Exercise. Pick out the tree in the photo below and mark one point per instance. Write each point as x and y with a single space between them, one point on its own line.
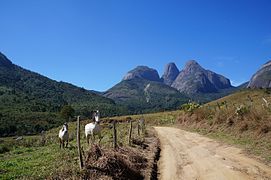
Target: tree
67 112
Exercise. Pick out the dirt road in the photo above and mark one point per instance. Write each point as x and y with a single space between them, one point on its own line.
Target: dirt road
188 156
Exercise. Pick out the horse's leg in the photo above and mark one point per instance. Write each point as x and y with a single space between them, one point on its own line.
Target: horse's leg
92 139
87 139
100 138
59 143
67 142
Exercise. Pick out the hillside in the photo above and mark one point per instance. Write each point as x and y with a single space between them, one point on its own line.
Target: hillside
141 95
242 118
30 102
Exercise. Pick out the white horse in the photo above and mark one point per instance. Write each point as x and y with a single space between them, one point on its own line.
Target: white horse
63 135
93 128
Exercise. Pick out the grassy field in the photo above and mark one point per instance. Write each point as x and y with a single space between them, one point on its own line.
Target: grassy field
30 158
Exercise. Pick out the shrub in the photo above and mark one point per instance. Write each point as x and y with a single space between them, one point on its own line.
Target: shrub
241 110
190 107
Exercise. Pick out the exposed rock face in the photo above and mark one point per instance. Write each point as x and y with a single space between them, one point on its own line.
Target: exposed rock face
4 61
142 72
195 79
170 74
142 87
262 78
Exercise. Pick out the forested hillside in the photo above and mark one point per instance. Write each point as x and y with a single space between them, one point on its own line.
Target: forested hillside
30 102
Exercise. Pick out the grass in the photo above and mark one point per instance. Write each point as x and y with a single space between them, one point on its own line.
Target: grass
33 163
30 159
167 118
36 162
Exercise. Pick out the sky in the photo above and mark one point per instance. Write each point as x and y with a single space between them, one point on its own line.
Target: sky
93 43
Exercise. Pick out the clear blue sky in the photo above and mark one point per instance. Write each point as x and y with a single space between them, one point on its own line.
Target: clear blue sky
92 44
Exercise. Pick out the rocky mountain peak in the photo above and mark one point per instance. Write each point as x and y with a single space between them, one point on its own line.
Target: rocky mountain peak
4 61
192 65
195 79
170 73
262 78
142 72
268 63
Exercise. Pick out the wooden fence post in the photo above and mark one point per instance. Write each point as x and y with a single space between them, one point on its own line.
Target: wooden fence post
143 131
114 135
78 144
130 132
138 128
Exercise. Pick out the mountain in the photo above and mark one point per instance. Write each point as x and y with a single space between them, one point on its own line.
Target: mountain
192 82
4 61
262 78
143 72
170 74
143 91
30 102
243 86
194 79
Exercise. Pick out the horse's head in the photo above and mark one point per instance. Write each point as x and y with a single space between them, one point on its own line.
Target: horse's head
96 116
65 126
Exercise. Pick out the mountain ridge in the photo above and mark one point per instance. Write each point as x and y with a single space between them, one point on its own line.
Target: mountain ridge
192 82
34 101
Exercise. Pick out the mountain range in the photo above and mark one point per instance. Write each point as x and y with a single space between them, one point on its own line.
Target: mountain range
30 102
193 82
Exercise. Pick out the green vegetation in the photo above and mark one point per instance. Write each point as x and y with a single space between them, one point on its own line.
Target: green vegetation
67 112
207 97
34 162
190 107
143 96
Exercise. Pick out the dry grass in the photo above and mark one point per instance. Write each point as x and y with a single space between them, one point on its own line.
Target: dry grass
137 162
123 163
250 127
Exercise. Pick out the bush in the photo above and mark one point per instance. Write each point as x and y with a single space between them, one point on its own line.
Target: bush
241 110
190 107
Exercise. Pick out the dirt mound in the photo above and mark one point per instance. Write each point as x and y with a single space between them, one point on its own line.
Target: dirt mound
123 163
